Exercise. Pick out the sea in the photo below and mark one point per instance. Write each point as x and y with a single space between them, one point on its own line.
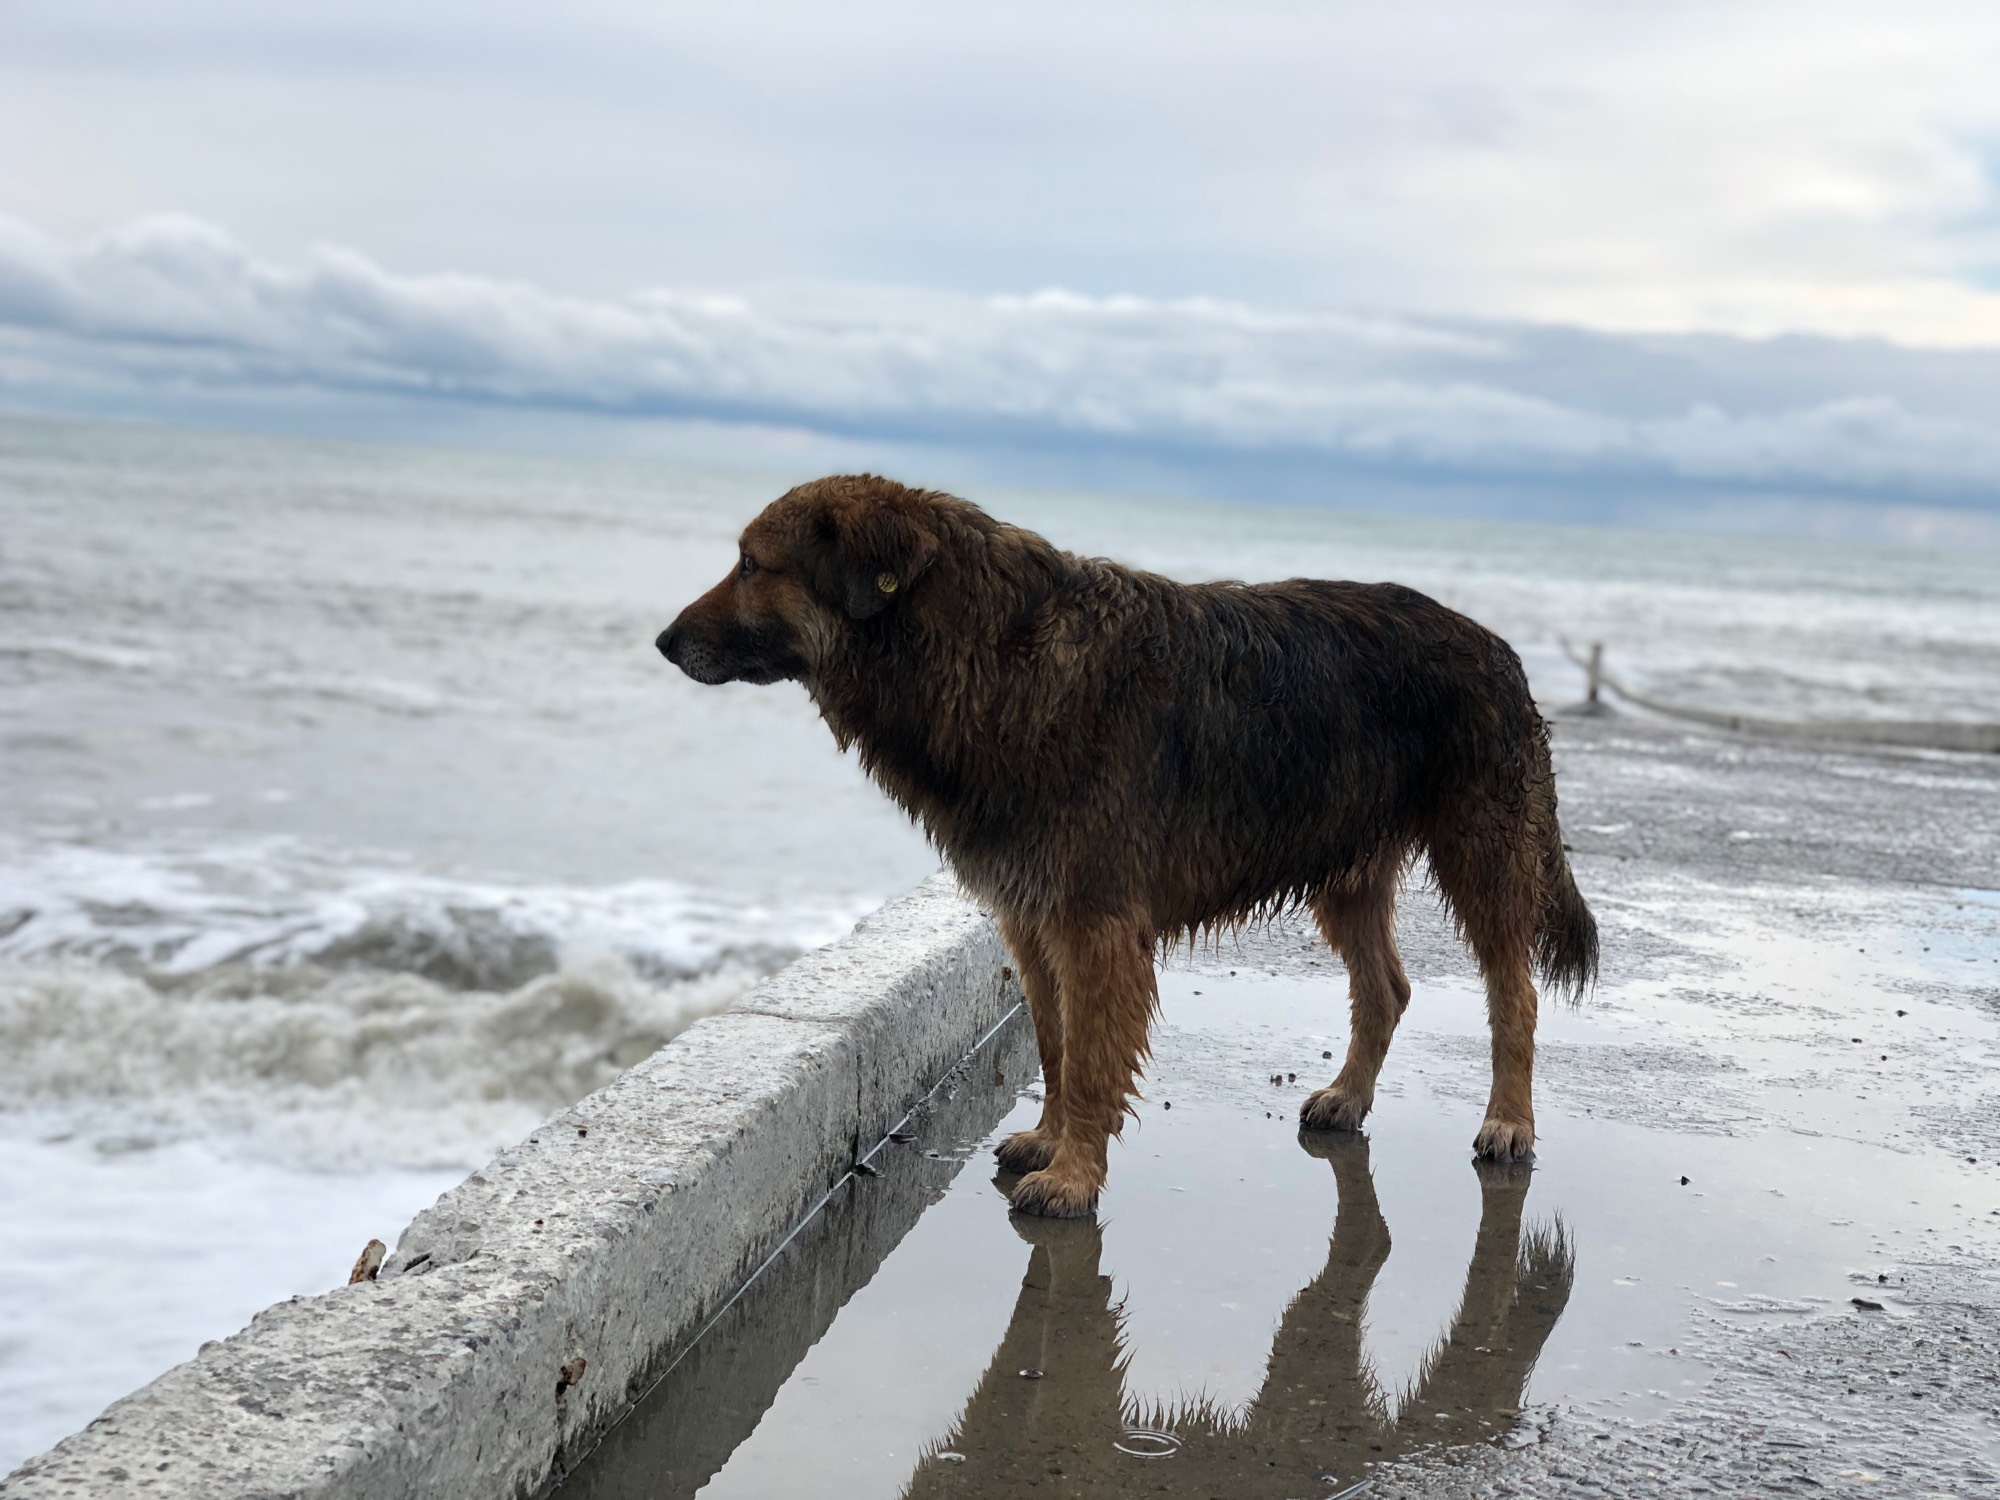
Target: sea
350 824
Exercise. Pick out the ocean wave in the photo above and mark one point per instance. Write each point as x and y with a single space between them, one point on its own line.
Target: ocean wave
65 655
70 652
170 915
335 1012
392 695
329 1069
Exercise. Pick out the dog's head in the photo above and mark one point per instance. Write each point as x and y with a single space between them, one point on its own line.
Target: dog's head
824 561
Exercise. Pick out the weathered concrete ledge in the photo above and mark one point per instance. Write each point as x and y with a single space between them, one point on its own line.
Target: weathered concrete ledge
608 1237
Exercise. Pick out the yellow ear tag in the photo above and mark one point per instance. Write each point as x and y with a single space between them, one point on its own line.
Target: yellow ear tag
886 582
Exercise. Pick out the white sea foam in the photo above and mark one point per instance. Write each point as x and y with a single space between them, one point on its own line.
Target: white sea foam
386 694
274 902
62 651
326 1069
331 1013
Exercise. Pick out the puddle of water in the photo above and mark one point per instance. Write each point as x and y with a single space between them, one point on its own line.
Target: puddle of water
1260 1314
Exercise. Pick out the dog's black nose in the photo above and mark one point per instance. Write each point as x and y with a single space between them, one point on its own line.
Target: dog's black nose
669 642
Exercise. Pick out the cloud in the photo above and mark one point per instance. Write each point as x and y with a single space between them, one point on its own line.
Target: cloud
1795 165
173 302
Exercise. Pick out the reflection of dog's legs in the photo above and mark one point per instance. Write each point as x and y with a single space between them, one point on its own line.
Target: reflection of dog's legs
1318 1393
1066 1412
1489 1280
1360 925
1104 977
1030 1150
1514 1293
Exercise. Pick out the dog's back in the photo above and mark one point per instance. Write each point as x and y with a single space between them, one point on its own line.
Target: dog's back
1304 730
1225 749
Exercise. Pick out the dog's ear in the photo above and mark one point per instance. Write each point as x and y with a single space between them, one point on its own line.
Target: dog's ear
878 556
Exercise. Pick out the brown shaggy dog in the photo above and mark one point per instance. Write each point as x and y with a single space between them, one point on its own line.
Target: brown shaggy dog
1111 760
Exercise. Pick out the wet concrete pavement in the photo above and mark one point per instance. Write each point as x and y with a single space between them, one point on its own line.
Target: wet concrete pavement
1755 1254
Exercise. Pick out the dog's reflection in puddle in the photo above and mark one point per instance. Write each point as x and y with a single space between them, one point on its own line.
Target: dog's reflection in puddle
1052 1405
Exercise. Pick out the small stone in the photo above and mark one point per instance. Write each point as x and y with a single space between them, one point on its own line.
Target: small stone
369 1264
1327 1055
1865 1305
1684 1182
1031 1374
901 1137
1166 1104
570 1372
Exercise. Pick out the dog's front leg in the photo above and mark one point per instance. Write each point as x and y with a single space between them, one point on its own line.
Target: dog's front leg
1105 985
1031 1150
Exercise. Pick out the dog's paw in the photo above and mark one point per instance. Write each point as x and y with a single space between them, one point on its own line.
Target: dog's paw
1025 1151
1330 1109
1504 1140
1053 1197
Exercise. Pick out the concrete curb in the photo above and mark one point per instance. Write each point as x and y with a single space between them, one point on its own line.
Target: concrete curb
713 1397
609 1236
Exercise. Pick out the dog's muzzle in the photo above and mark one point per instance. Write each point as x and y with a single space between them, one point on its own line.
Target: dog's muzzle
693 655
680 647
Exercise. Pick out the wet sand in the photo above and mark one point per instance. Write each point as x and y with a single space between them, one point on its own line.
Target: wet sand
1753 1254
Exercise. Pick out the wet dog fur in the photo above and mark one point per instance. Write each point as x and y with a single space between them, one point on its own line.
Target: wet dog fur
1112 761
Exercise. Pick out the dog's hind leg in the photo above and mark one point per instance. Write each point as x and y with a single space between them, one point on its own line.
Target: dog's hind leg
1359 923
1031 1150
1508 1131
1489 875
1103 969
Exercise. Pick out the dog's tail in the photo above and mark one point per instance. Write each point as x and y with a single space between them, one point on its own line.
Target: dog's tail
1566 945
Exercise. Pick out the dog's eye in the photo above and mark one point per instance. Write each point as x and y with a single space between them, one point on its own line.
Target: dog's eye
749 566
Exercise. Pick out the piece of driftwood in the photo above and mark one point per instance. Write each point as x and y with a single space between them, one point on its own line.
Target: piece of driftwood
1920 734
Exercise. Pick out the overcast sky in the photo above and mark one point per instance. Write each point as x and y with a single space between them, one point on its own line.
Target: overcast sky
1704 245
